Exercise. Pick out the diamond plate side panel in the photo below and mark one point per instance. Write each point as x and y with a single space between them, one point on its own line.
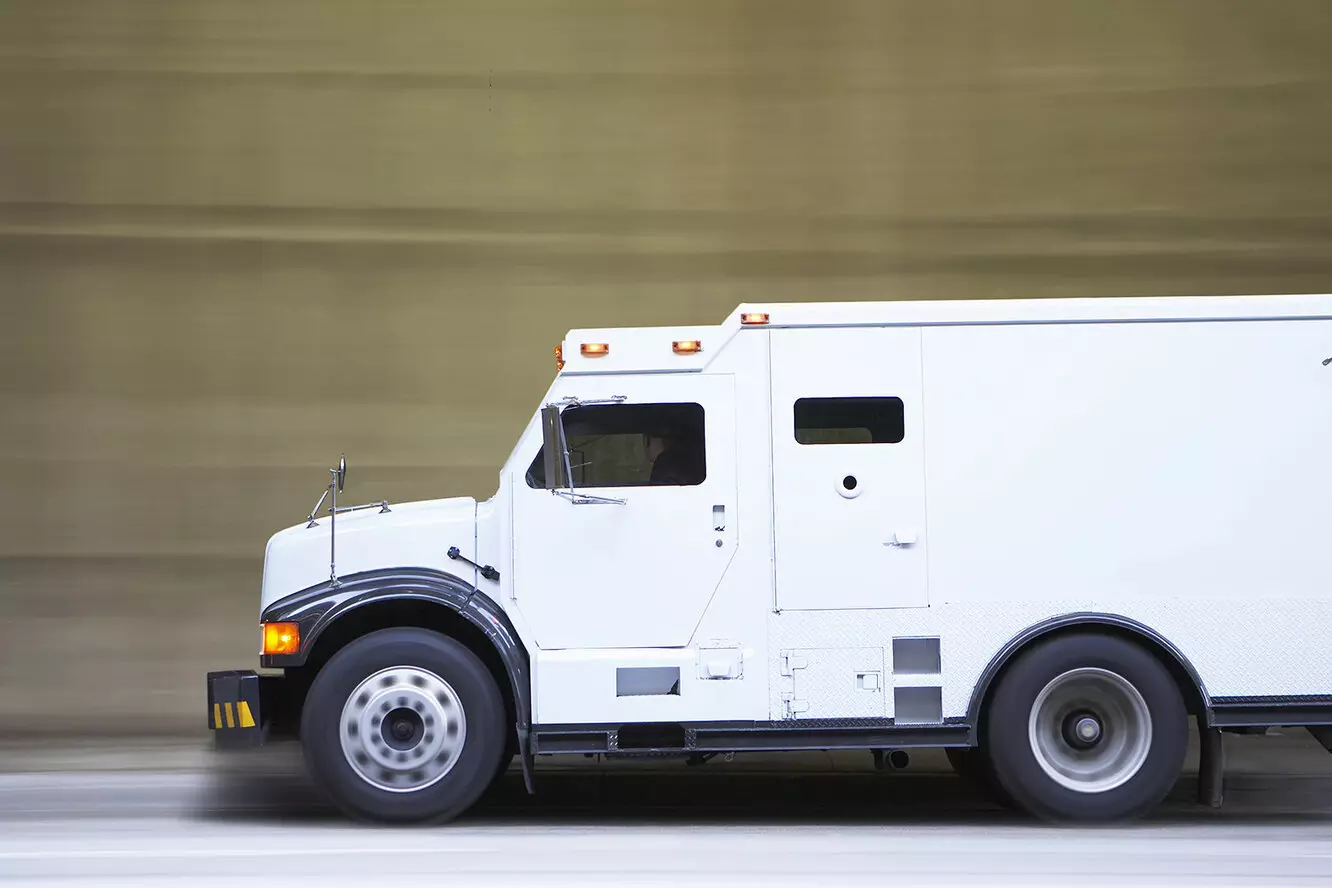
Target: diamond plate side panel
1239 648
828 683
1274 700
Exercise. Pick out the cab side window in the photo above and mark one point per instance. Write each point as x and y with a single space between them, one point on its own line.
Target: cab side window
631 445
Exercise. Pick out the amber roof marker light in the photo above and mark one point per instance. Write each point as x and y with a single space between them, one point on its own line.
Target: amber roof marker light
754 318
595 349
559 357
687 346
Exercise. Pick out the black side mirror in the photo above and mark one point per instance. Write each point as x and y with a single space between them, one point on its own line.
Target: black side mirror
342 473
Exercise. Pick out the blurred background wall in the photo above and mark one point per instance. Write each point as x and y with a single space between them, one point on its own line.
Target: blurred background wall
239 238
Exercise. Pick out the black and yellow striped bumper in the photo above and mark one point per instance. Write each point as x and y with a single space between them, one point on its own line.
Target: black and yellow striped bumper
234 709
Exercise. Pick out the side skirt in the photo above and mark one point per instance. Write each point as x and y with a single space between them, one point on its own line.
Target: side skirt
1271 712
723 737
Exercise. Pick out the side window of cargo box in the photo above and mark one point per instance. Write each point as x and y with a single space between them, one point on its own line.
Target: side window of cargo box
877 420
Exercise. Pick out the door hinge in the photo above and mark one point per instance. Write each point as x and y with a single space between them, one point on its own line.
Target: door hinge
792 662
794 706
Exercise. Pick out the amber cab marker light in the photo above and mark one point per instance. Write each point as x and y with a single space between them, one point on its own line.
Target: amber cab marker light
754 317
595 349
559 357
281 638
687 346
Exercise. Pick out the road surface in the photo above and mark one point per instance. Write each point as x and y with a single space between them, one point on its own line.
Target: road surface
255 821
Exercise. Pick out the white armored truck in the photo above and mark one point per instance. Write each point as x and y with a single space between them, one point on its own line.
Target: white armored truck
1048 536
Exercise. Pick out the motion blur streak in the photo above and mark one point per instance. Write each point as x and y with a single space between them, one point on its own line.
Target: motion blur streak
240 238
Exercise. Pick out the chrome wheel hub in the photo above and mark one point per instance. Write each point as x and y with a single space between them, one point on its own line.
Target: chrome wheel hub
1090 730
1085 731
402 729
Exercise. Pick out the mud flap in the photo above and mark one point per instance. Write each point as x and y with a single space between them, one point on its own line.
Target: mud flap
1211 765
235 712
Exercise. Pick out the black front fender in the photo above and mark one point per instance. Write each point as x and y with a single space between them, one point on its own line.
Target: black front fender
317 608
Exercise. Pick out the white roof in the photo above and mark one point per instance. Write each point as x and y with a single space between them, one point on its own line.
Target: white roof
649 349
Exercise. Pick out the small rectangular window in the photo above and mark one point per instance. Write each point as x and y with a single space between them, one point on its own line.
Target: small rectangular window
850 420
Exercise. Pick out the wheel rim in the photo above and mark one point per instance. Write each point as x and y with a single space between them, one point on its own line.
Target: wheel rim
402 729
1090 730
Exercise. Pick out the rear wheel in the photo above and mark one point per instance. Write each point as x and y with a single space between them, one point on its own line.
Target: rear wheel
973 765
967 762
1087 728
403 726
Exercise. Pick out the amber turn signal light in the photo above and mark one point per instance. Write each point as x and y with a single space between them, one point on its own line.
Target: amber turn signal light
281 638
559 357
687 346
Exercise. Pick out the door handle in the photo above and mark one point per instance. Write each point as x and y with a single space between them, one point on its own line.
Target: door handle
719 518
902 539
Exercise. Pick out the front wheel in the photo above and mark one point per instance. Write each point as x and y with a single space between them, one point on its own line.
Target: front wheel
403 726
1087 728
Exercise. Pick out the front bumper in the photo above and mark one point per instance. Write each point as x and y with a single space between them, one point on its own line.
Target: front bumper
237 714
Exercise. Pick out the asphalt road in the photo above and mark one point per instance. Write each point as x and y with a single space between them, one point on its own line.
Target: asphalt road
255 820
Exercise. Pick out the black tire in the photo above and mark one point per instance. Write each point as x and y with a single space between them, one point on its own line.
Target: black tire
1018 767
967 762
973 765
493 791
477 756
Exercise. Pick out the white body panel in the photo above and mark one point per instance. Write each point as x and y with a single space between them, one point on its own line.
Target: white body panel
1175 474
1190 462
415 534
639 573
1273 648
1167 461
712 619
584 687
850 518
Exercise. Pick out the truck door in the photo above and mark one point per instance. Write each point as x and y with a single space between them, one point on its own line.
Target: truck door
636 564
848 468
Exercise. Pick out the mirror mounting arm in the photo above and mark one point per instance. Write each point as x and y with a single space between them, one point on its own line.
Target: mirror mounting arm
339 475
315 510
337 480
559 469
587 499
571 401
